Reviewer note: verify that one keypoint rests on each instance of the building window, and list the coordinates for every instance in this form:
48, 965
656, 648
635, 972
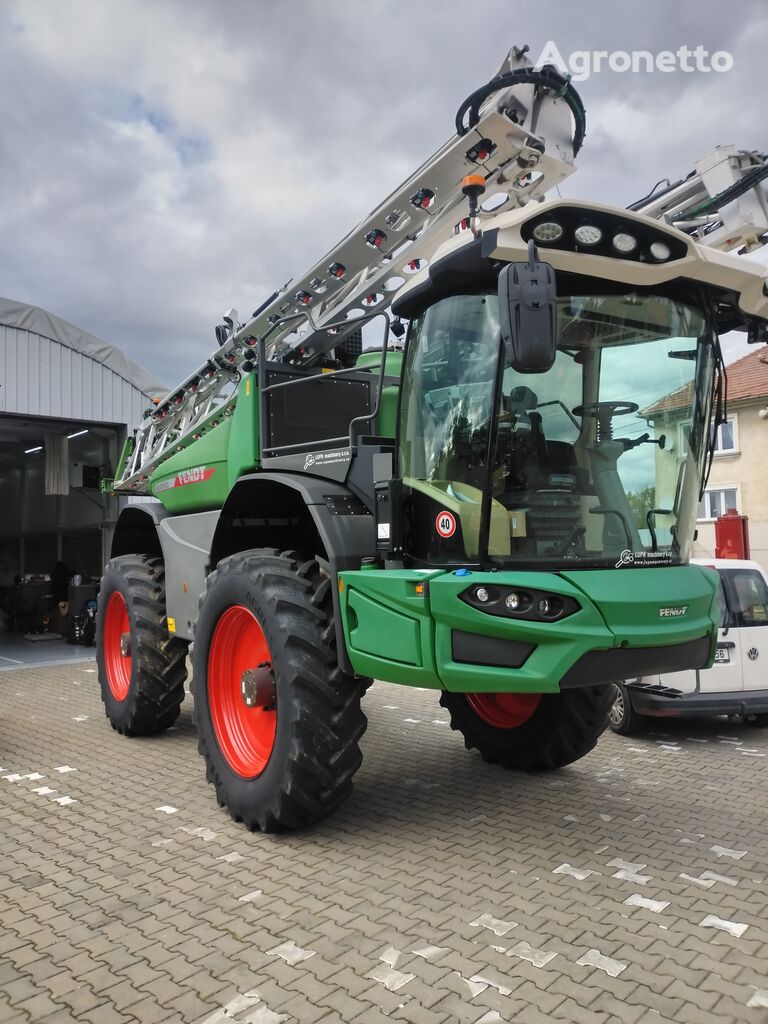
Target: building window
717, 501
727, 437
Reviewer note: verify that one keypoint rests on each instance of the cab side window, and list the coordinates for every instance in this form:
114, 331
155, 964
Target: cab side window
749, 597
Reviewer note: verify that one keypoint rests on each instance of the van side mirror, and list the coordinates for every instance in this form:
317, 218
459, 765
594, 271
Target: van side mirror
528, 313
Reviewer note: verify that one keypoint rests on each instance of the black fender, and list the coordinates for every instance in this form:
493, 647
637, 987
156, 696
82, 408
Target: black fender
290, 510
136, 530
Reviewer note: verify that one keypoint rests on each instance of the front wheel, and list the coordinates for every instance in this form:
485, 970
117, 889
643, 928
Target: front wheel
531, 732
278, 720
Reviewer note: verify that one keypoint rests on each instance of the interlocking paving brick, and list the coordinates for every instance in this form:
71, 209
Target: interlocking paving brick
114, 910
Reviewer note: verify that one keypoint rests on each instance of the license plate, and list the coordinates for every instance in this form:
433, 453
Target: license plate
722, 655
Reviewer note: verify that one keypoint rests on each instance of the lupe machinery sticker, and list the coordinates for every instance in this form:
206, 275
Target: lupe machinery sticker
326, 458
638, 559
196, 475
445, 524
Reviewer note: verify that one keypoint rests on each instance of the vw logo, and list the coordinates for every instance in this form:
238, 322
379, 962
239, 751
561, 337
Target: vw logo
752, 653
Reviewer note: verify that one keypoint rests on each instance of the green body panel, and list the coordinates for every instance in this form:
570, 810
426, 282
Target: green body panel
388, 628
201, 475
630, 600
618, 609
195, 478
386, 422
243, 454
127, 450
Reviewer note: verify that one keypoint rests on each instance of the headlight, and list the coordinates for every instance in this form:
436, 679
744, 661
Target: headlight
523, 605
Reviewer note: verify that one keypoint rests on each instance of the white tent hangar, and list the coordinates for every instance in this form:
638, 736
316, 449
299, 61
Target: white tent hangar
67, 400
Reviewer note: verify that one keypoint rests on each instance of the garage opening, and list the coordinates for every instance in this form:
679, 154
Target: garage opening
55, 532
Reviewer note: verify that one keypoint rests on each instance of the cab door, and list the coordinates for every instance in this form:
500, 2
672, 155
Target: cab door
747, 591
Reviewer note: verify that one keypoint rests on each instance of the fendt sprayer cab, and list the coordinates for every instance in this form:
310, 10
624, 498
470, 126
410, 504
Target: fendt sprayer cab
503, 511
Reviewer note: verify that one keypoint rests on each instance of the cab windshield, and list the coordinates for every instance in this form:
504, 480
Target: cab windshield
593, 463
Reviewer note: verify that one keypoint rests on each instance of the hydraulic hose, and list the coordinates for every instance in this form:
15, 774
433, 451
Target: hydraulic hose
544, 78
739, 188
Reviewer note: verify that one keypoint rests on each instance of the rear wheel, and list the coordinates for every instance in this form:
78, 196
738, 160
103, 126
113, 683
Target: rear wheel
531, 732
278, 721
624, 720
141, 666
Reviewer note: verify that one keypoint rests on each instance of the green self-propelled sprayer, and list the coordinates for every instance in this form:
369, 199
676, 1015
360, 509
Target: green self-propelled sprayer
502, 509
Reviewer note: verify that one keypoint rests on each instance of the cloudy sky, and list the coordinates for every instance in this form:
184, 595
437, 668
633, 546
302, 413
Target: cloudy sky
162, 160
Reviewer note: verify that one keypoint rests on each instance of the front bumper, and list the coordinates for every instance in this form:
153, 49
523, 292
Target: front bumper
657, 704
412, 626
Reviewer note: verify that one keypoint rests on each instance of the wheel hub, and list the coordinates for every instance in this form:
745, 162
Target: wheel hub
257, 687
504, 710
116, 646
241, 697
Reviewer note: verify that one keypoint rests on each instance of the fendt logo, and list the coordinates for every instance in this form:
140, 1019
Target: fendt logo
196, 475
673, 613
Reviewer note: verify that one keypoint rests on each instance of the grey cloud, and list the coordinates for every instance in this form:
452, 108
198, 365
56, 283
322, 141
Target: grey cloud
160, 162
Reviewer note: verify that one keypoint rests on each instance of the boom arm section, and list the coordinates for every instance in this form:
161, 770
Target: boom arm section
524, 128
722, 203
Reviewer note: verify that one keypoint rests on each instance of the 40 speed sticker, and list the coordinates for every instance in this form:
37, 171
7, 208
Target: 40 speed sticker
445, 524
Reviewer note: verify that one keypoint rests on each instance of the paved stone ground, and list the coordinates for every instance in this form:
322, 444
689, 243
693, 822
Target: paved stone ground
630, 887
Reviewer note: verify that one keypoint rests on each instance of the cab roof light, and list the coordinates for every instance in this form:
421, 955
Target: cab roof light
660, 251
548, 231
624, 243
588, 234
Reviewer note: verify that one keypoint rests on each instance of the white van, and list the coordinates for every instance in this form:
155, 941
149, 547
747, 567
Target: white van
737, 683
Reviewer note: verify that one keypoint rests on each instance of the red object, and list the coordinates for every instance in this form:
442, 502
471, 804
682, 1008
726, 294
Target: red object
246, 735
376, 238
117, 664
504, 710
732, 535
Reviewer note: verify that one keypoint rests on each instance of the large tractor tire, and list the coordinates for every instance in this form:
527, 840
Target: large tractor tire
530, 731
278, 721
142, 667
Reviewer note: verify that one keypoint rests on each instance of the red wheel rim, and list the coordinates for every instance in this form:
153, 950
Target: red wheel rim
117, 664
504, 710
246, 735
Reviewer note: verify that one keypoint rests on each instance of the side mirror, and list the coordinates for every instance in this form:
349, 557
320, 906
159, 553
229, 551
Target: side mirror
528, 313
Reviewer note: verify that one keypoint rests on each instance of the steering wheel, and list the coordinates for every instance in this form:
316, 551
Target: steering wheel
604, 413
603, 410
